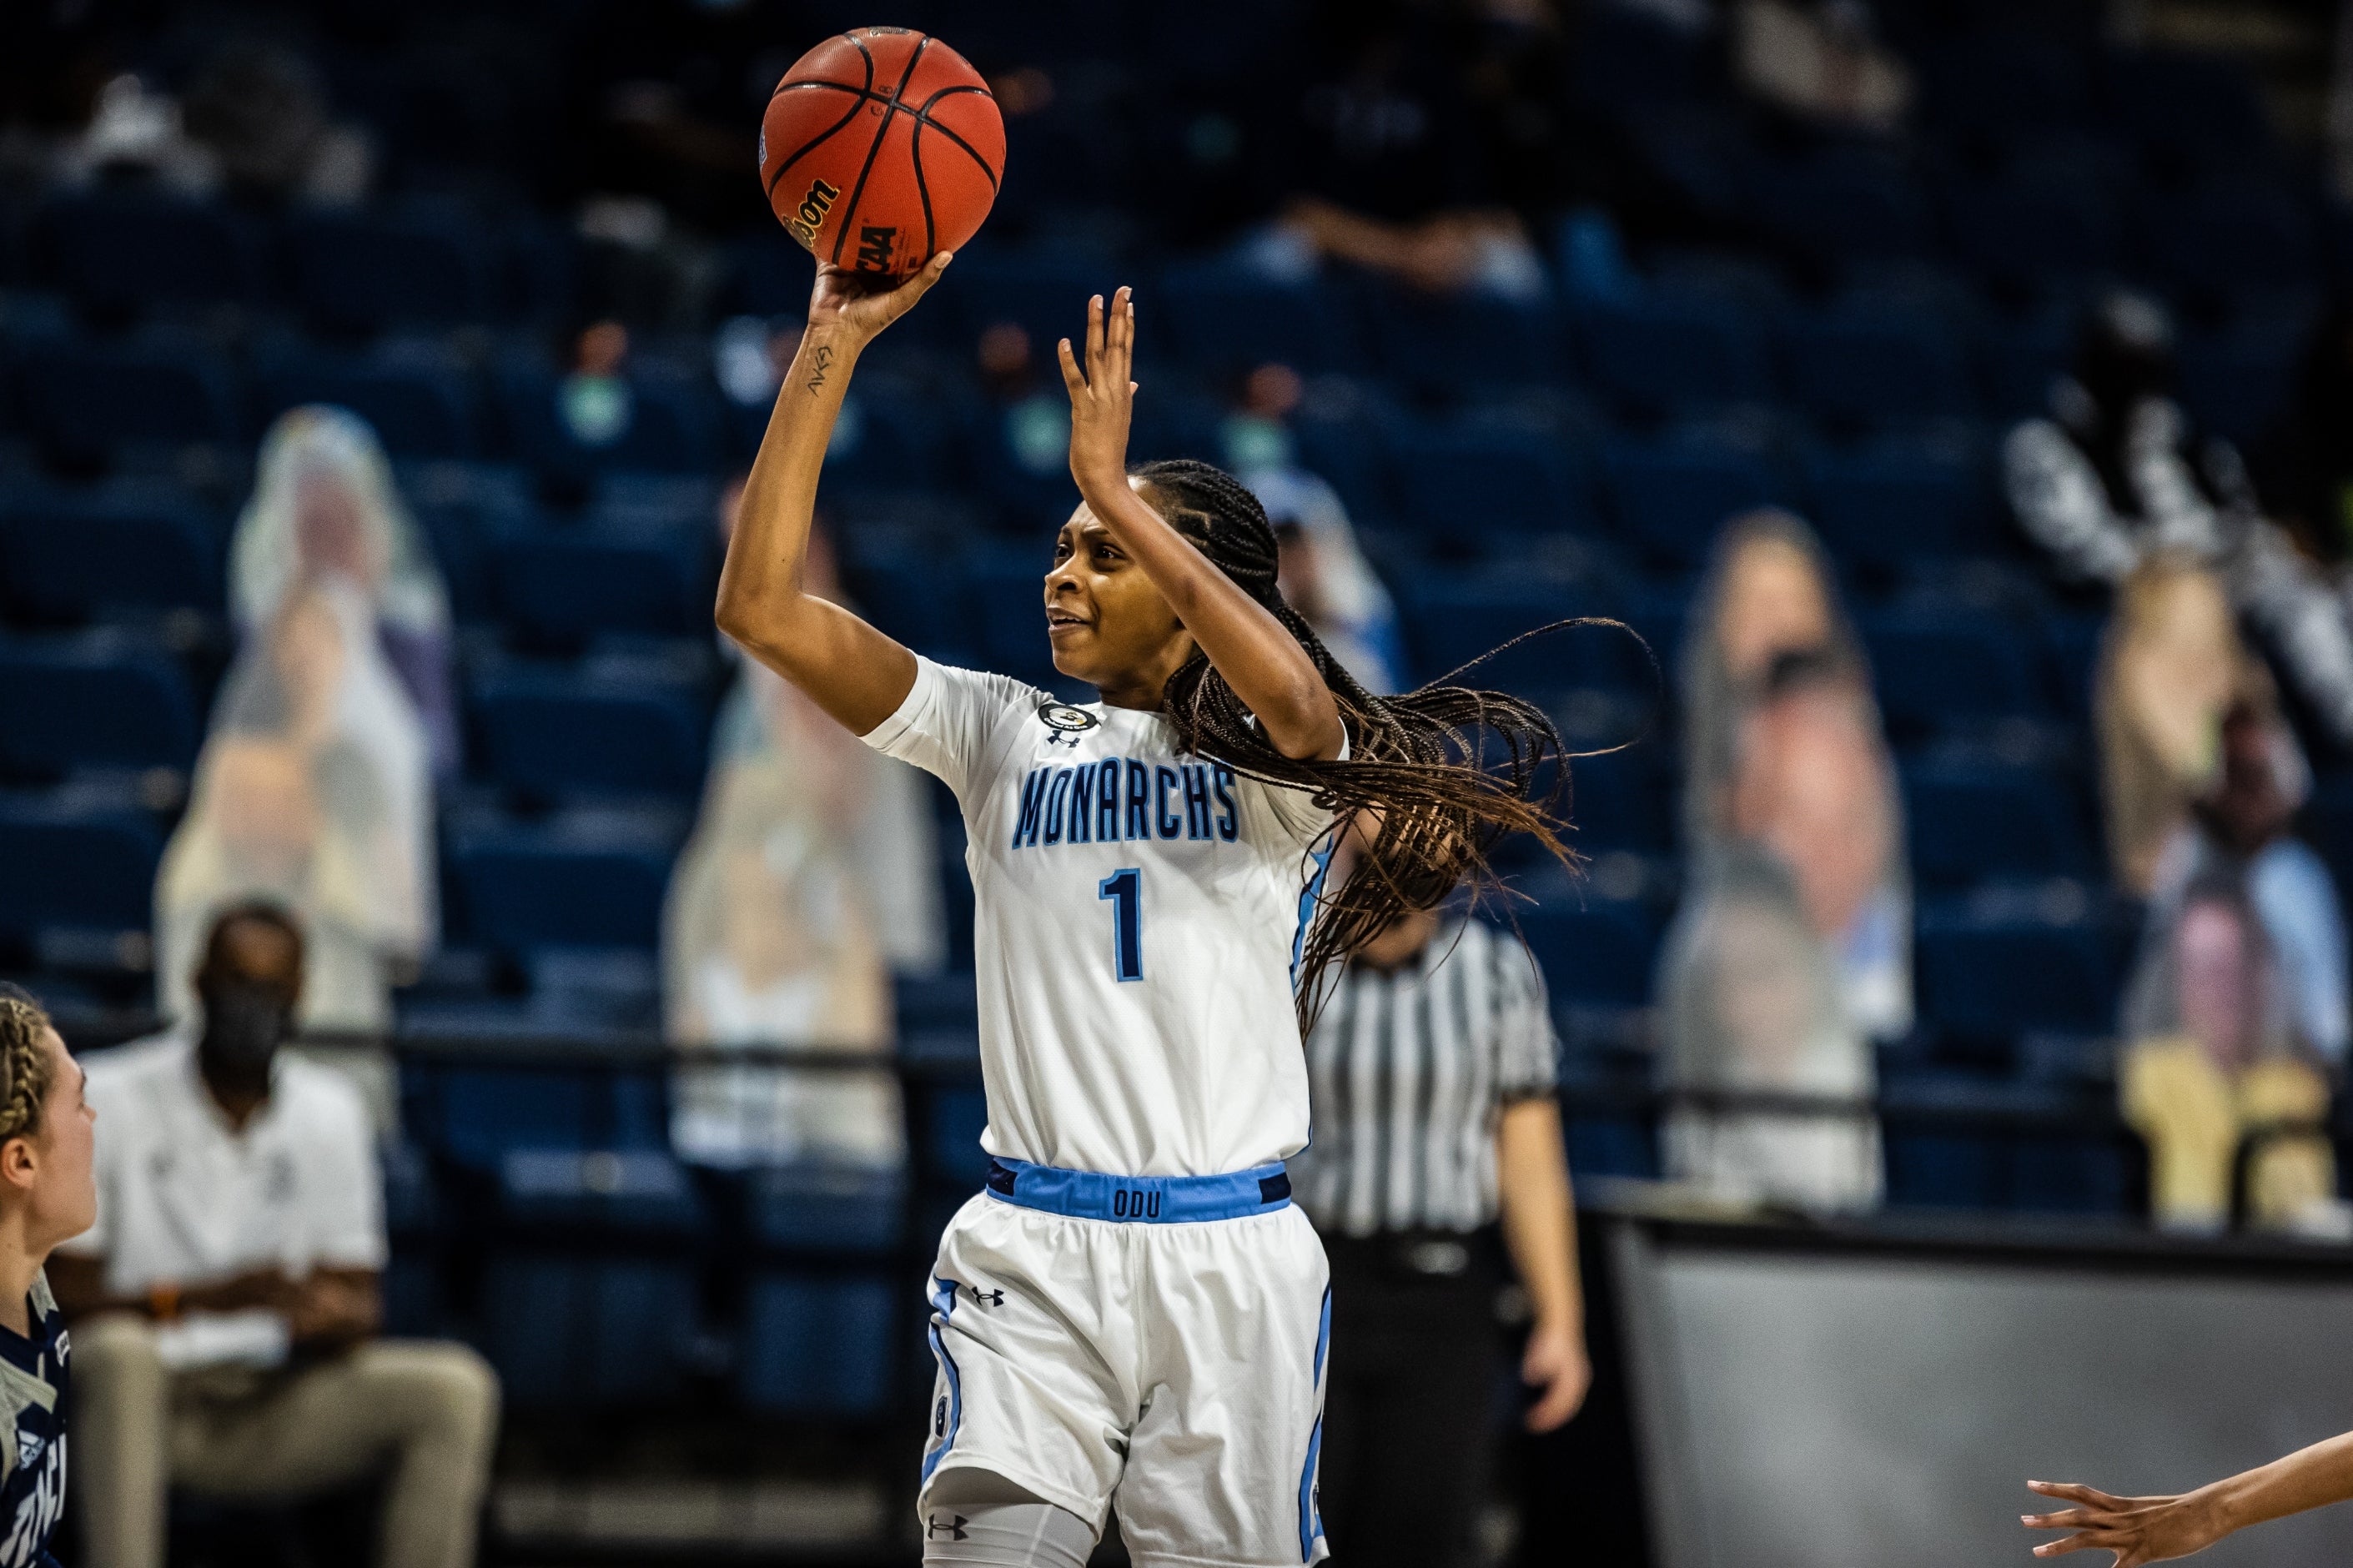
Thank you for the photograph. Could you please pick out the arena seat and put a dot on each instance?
(1936, 668)
(2238, 382)
(1988, 976)
(120, 253)
(2188, 105)
(1453, 617)
(2035, 233)
(1887, 504)
(476, 1116)
(1862, 366)
(1005, 590)
(586, 1327)
(1687, 352)
(2240, 237)
(1223, 318)
(94, 701)
(552, 736)
(1045, 296)
(1469, 483)
(365, 271)
(673, 427)
(563, 585)
(1457, 342)
(69, 557)
(1844, 206)
(2006, 85)
(583, 879)
(1621, 802)
(87, 401)
(1970, 821)
(1929, 1164)
(65, 865)
(1671, 496)
(817, 1344)
(1605, 955)
(417, 399)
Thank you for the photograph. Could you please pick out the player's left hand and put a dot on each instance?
(1102, 399)
(1556, 1362)
(2137, 1529)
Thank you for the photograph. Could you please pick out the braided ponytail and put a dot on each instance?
(1447, 770)
(24, 1066)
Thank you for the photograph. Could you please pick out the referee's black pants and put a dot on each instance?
(1409, 1392)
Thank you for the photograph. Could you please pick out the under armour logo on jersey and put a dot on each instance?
(952, 1529)
(986, 1298)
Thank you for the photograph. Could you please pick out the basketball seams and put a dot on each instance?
(857, 191)
(923, 114)
(814, 143)
(922, 187)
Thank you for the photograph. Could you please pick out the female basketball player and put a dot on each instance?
(1132, 1306)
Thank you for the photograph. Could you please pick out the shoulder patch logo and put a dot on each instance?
(1064, 717)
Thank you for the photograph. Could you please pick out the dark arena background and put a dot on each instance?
(1951, 400)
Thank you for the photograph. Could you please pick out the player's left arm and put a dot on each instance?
(1260, 659)
(2156, 1529)
(1540, 1230)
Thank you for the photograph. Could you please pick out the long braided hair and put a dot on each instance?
(1445, 771)
(25, 1069)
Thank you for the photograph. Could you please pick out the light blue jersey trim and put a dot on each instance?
(943, 1294)
(1149, 1200)
(1308, 896)
(1311, 1517)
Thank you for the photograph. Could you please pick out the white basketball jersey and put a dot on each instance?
(1140, 913)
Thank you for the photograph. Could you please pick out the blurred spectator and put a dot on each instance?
(1431, 1074)
(2115, 474)
(314, 788)
(135, 136)
(1033, 437)
(1821, 59)
(1783, 752)
(326, 510)
(228, 1302)
(263, 112)
(813, 873)
(1325, 574)
(2212, 1055)
(594, 399)
(1750, 1001)
(1386, 169)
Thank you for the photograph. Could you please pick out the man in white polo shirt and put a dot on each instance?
(225, 1304)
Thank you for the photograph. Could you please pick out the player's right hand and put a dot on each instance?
(2138, 1529)
(863, 304)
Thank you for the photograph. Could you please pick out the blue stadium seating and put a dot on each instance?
(2239, 238)
(1888, 504)
(1936, 669)
(120, 253)
(1006, 592)
(70, 866)
(1931, 1165)
(1865, 366)
(609, 1191)
(2035, 233)
(1469, 483)
(565, 585)
(418, 399)
(363, 272)
(1671, 495)
(1620, 802)
(827, 1208)
(575, 1328)
(1605, 955)
(586, 880)
(1451, 618)
(552, 736)
(1971, 821)
(2007, 85)
(1046, 297)
(97, 699)
(1222, 318)
(817, 1344)
(69, 557)
(2192, 107)
(477, 1116)
(673, 425)
(1989, 976)
(87, 401)
(2237, 382)
(1691, 352)
(1450, 343)
(1843, 207)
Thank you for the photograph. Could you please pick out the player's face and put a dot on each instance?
(65, 1192)
(1109, 625)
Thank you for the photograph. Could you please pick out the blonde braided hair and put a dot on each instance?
(24, 1066)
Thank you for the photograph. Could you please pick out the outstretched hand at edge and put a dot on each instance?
(1102, 399)
(2138, 1529)
(861, 303)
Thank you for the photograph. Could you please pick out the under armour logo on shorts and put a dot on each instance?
(953, 1530)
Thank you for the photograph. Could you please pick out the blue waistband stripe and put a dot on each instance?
(1151, 1200)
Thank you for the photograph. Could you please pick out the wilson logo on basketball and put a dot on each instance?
(874, 245)
(814, 206)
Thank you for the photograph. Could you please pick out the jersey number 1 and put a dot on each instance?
(1125, 889)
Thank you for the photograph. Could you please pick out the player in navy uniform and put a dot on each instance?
(47, 1195)
(1132, 1307)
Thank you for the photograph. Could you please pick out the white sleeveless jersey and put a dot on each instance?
(1140, 913)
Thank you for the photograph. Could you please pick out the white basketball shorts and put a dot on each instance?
(1155, 1343)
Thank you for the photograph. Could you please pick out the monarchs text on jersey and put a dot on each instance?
(1139, 912)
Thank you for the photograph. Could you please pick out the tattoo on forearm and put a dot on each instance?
(821, 357)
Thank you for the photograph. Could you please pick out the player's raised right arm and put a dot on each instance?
(850, 669)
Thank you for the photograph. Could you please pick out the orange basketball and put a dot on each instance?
(881, 148)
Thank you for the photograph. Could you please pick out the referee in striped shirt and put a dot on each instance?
(1432, 1075)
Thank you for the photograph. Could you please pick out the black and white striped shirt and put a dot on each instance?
(1408, 1073)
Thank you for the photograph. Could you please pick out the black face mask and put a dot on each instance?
(244, 1023)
